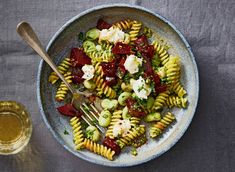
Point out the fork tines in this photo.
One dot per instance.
(91, 115)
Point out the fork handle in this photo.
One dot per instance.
(27, 33)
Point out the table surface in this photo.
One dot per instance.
(209, 27)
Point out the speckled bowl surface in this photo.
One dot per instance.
(66, 38)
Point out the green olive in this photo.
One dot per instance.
(105, 118)
(122, 98)
(92, 133)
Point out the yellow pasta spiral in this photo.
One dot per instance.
(172, 70)
(63, 89)
(135, 29)
(63, 67)
(124, 24)
(135, 121)
(101, 86)
(98, 149)
(116, 116)
(99, 70)
(160, 100)
(77, 133)
(159, 127)
(178, 89)
(161, 51)
(132, 134)
(176, 101)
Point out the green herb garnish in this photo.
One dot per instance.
(66, 132)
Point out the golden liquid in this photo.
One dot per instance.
(15, 127)
(10, 126)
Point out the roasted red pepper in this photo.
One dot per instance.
(134, 109)
(143, 47)
(69, 110)
(110, 143)
(110, 81)
(109, 68)
(101, 24)
(121, 48)
(79, 57)
(77, 74)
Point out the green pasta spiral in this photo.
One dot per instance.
(78, 136)
(157, 128)
(98, 149)
(176, 101)
(63, 89)
(62, 68)
(116, 116)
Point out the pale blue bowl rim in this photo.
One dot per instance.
(95, 9)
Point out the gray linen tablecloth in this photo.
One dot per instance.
(209, 26)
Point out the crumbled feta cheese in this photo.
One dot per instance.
(132, 63)
(88, 71)
(121, 127)
(112, 35)
(141, 89)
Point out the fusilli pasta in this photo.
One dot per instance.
(63, 89)
(98, 149)
(77, 133)
(158, 127)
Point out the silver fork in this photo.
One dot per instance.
(27, 33)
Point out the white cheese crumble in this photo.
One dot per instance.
(88, 71)
(121, 127)
(132, 64)
(141, 89)
(113, 35)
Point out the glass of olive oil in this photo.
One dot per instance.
(15, 127)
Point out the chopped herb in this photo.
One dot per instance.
(81, 36)
(66, 132)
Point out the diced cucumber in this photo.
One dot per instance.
(105, 118)
(122, 98)
(109, 104)
(92, 133)
(93, 34)
(155, 116)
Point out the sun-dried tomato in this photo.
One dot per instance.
(101, 24)
(134, 109)
(121, 48)
(69, 110)
(110, 143)
(79, 57)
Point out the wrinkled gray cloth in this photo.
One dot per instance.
(208, 25)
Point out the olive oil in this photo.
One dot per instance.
(15, 127)
(10, 127)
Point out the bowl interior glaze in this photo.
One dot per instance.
(66, 38)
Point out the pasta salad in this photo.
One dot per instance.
(133, 78)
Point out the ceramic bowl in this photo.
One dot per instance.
(66, 38)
